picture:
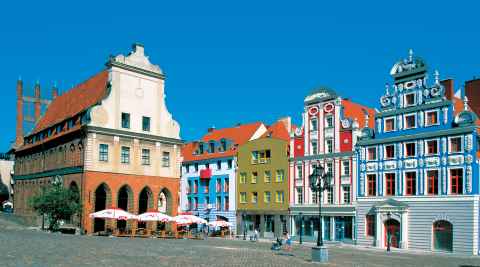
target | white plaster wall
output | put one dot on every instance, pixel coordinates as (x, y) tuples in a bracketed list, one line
[(6, 168)]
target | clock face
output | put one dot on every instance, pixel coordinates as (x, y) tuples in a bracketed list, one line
[(385, 101), (345, 123)]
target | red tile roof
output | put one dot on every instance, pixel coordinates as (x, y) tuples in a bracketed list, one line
[(237, 135), (278, 130), (74, 101), (353, 110)]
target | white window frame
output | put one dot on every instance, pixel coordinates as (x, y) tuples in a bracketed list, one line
[(426, 147), (426, 124), (326, 119), (368, 154), (394, 124), (405, 99), (439, 179), (461, 143), (348, 167), (404, 182), (311, 124), (449, 187), (326, 145), (366, 183), (405, 120), (385, 151), (405, 149)]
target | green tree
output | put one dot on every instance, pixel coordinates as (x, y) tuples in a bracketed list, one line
[(57, 203)]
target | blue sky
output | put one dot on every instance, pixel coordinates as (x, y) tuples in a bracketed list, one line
[(228, 62)]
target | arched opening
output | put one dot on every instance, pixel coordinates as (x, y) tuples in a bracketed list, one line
[(102, 199), (74, 220), (145, 202), (443, 236), (165, 200), (392, 232), (124, 202)]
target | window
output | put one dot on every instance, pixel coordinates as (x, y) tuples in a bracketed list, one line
[(329, 168), (166, 159), (218, 186), (223, 145), (389, 151), (456, 181), (411, 180), (299, 195), (372, 184), (146, 124), (328, 146), (261, 156), (314, 197), (226, 204), (218, 203), (125, 120), (279, 197), (280, 177), (313, 124), (243, 178), (432, 118), (410, 99), (145, 156), (346, 167), (410, 150), (254, 178), (389, 124), (455, 144), (370, 225), (432, 180), (314, 147), (410, 121), (346, 194), (125, 155), (329, 121), (219, 165), (189, 187), (372, 153), (195, 187), (390, 184), (432, 147), (229, 163), (330, 195), (299, 172), (195, 202), (196, 167), (266, 197), (103, 152), (254, 197), (211, 147), (267, 177), (187, 168), (243, 197), (226, 185)]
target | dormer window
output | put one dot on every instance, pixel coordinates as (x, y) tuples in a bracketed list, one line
[(410, 100), (200, 148), (410, 121), (223, 144), (389, 124), (211, 147), (431, 118)]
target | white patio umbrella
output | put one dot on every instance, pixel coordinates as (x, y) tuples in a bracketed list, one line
[(154, 216), (117, 214), (220, 224), (188, 219)]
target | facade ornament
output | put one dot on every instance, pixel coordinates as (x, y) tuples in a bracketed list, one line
[(410, 55), (387, 91), (437, 77), (465, 103)]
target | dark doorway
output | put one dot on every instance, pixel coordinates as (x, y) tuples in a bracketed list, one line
[(100, 204), (443, 236), (122, 203), (392, 230), (143, 204)]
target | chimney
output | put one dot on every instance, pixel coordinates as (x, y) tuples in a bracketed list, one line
[(287, 121), (54, 91), (19, 128), (448, 84), (211, 129), (37, 103), (138, 49), (472, 92)]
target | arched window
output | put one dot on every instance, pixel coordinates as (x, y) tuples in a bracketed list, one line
[(442, 236)]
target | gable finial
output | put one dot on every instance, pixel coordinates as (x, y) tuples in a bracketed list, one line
[(387, 89), (410, 55), (437, 77), (465, 103)]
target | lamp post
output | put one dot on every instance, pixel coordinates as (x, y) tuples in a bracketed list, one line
[(319, 182), (389, 215), (301, 226), (244, 226)]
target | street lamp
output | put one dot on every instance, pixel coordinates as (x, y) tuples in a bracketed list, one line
[(244, 226), (301, 226), (389, 215), (319, 182)]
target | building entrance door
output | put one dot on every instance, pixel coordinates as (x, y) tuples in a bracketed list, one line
[(339, 228), (442, 236), (392, 231)]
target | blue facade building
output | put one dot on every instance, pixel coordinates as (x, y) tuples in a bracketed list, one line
[(418, 178)]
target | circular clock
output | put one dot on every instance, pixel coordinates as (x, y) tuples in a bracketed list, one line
[(345, 123), (385, 101)]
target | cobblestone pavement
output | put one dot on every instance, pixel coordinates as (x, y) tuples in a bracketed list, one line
[(24, 247)]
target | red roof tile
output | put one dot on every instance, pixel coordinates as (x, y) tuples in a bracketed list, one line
[(278, 130), (74, 101), (354, 111), (237, 135)]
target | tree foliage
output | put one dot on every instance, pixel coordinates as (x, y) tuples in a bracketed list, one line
[(57, 203)]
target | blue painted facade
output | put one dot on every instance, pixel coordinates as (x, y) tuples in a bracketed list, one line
[(424, 149)]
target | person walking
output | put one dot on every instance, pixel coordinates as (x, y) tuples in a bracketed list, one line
[(256, 235), (288, 241)]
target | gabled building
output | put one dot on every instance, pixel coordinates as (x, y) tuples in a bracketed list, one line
[(209, 171), (262, 182), (112, 139), (418, 179), (331, 126)]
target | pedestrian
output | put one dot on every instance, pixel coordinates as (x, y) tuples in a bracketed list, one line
[(288, 241), (256, 235), (205, 232)]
